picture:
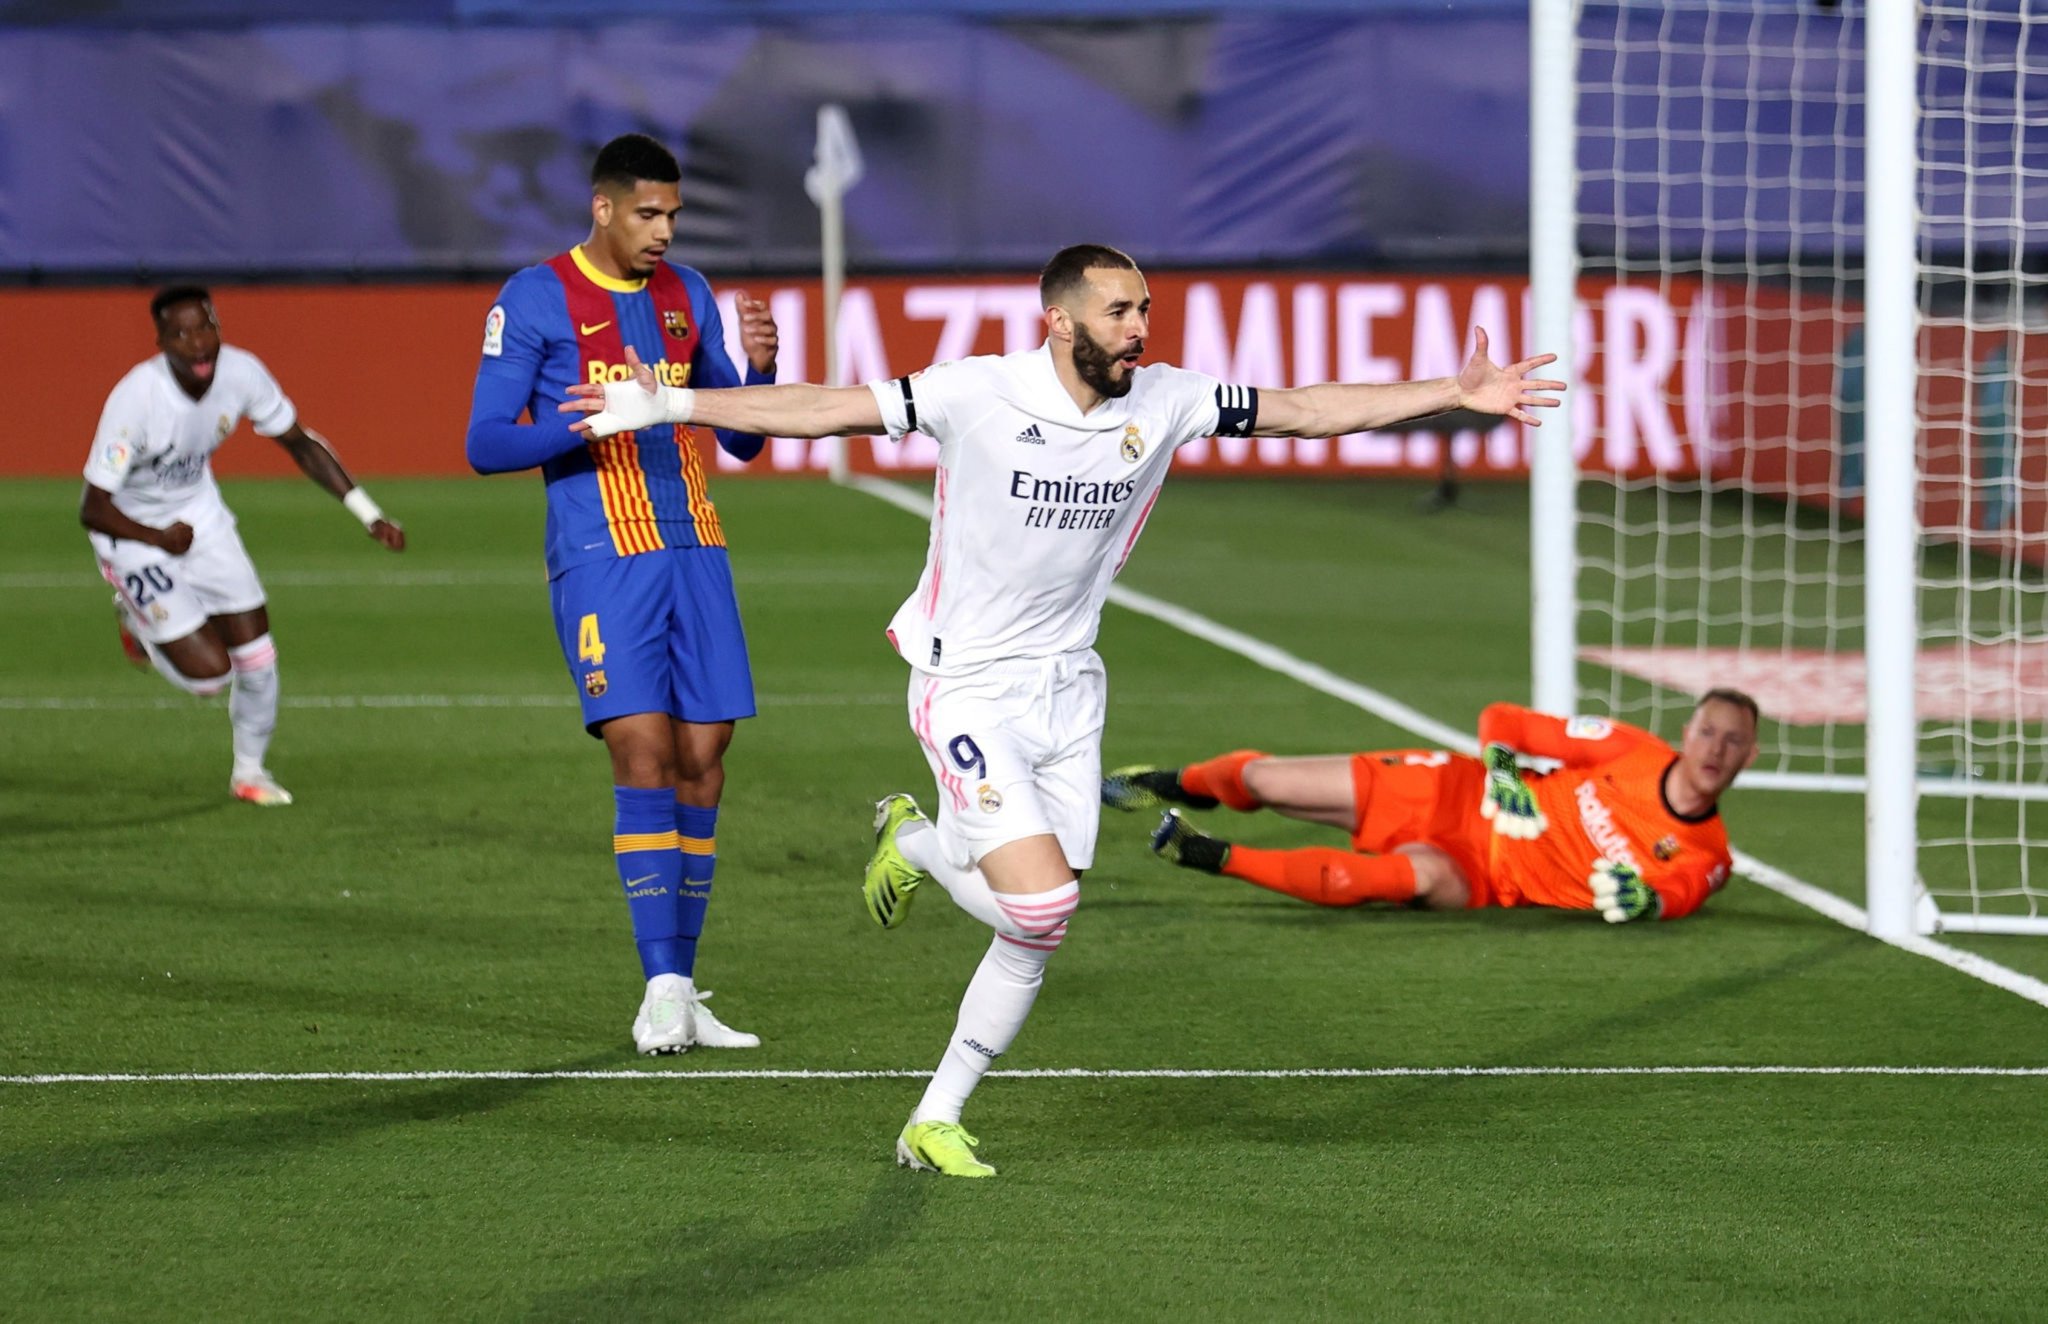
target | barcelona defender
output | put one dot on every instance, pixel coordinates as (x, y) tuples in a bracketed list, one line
[(642, 592), (1626, 825)]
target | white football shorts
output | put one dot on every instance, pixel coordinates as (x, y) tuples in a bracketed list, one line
[(168, 597), (1016, 749)]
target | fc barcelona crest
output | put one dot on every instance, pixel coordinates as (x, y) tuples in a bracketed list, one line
[(673, 322), (594, 685)]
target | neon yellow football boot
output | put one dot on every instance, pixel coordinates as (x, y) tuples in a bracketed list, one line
[(941, 1147), (891, 880)]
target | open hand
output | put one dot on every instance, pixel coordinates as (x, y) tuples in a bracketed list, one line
[(1487, 388), (758, 337), (1509, 803), (614, 407)]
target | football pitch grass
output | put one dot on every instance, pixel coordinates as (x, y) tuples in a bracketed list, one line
[(441, 900)]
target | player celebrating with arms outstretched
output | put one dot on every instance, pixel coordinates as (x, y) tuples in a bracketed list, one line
[(641, 588), (1626, 826), (186, 591), (1049, 461)]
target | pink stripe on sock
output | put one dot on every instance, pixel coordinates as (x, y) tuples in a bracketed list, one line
[(255, 661), (1036, 945)]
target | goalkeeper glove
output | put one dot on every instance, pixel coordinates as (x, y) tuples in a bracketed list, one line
[(1620, 894), (1509, 802)]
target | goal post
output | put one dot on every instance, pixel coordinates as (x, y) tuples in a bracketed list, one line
[(1835, 209)]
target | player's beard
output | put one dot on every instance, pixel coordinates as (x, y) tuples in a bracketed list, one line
[(1096, 365)]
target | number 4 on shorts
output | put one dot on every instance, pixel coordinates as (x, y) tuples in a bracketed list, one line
[(589, 646)]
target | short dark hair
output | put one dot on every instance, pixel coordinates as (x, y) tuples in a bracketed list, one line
[(1735, 697), (1069, 269), (170, 296), (632, 157)]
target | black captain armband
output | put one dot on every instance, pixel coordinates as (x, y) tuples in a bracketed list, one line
[(1237, 410), (909, 405)]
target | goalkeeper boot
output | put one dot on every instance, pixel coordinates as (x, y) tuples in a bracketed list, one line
[(258, 787), (942, 1147), (1177, 843), (664, 1022), (891, 880), (1141, 786), (707, 1031)]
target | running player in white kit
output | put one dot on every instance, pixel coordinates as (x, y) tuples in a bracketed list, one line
[(1049, 462), (184, 588)]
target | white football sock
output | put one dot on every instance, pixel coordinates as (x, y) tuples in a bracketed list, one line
[(205, 687), (252, 707), (992, 1011)]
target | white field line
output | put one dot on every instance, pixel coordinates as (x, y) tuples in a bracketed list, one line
[(91, 703), (86, 578), (1400, 714), (1046, 1073)]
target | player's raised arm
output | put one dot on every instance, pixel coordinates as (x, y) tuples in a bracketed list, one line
[(1335, 409), (794, 410)]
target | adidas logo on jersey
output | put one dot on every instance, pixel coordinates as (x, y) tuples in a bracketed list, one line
[(1031, 436)]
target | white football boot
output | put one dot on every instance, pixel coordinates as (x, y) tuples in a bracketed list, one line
[(663, 1025), (707, 1031), (258, 788)]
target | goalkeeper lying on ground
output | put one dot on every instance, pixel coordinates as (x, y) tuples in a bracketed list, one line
[(1626, 825)]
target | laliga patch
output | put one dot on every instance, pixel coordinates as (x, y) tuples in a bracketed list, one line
[(116, 455), (1133, 445), (494, 331), (990, 798), (594, 684), (1589, 728)]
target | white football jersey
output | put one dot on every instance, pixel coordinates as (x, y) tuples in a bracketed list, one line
[(153, 443), (1036, 506)]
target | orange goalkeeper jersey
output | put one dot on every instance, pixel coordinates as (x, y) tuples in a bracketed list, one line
[(1605, 802)]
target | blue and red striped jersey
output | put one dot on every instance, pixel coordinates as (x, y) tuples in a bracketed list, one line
[(563, 322)]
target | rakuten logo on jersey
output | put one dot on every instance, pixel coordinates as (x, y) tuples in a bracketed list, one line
[(1068, 503), (1599, 824)]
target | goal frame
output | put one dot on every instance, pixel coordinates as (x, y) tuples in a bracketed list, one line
[(1895, 903)]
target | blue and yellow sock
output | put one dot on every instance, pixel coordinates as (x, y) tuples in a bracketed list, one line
[(644, 842), (698, 829)]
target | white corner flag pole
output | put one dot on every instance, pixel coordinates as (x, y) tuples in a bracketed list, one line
[(837, 168)]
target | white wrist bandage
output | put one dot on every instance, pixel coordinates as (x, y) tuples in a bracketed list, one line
[(679, 403), (359, 505)]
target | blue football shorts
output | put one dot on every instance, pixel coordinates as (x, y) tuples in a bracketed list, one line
[(655, 633)]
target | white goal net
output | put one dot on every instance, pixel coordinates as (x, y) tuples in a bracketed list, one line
[(1729, 158)]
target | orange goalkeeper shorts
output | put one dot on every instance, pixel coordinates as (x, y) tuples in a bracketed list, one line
[(1410, 796)]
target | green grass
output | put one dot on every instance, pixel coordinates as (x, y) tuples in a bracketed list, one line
[(441, 899)]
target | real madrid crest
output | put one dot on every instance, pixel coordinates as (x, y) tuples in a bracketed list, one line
[(673, 322), (1133, 444), (222, 428), (594, 684), (989, 797)]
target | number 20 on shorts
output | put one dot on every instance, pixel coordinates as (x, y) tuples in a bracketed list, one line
[(589, 644)]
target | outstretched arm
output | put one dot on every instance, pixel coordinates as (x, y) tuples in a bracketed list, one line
[(310, 451), (1335, 409), (1577, 742), (794, 410)]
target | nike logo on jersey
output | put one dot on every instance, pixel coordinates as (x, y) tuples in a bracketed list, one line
[(1031, 436), (592, 330)]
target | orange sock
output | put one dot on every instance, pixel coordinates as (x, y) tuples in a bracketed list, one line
[(1222, 778), (1324, 876)]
